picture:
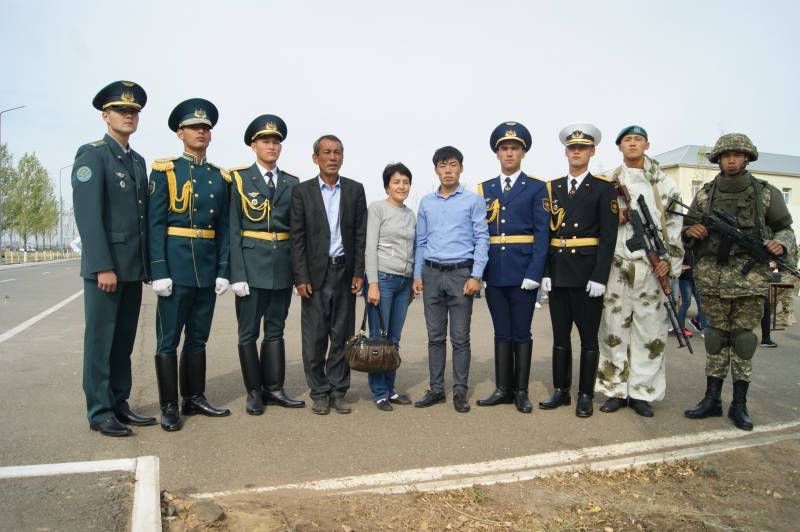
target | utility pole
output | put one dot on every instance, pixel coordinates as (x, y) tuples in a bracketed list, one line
[(61, 210)]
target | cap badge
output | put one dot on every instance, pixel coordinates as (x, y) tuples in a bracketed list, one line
[(199, 113), (577, 135), (271, 126), (128, 84), (127, 97), (511, 133)]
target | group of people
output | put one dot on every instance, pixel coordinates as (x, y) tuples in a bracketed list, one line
[(195, 230)]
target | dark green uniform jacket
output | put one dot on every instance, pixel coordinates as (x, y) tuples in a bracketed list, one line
[(109, 194), (261, 263), (198, 201)]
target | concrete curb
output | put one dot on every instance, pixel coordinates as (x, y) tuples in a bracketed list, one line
[(31, 264), (146, 513)]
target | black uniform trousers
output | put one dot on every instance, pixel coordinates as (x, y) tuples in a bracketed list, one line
[(511, 309), (272, 305), (188, 308), (573, 305), (111, 320), (329, 314)]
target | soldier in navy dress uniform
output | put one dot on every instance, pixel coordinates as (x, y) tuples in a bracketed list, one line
[(261, 263), (518, 241), (109, 191), (189, 250), (583, 221)]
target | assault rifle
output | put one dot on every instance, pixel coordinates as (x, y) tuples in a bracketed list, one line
[(646, 237), (724, 224)]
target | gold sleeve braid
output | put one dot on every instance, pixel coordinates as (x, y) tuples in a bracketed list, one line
[(264, 208)]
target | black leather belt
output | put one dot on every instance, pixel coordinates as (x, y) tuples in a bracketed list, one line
[(336, 260), (450, 266)]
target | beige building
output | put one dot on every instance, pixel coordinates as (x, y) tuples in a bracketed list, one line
[(690, 168)]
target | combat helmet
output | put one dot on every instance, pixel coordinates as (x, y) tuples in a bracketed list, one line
[(738, 142)]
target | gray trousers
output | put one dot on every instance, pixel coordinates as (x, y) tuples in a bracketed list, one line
[(329, 314), (443, 297)]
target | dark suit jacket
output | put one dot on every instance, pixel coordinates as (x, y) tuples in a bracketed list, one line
[(311, 234), (109, 194), (592, 212), (261, 263)]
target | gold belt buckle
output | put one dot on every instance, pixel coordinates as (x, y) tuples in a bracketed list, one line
[(274, 237), (502, 239), (199, 233), (562, 243)]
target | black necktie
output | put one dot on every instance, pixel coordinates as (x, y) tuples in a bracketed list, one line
[(270, 186), (508, 185), (573, 189)]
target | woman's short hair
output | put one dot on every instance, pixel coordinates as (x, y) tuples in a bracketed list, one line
[(395, 168)]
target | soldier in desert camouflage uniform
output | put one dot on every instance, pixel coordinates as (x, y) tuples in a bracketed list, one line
[(733, 302), (633, 331)]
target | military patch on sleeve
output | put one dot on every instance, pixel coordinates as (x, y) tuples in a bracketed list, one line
[(614, 206), (546, 204), (83, 174), (151, 187)]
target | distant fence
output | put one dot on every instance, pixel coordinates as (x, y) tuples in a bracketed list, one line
[(21, 257)]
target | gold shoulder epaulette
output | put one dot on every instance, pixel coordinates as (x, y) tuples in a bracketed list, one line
[(162, 165), (238, 168), (605, 178), (223, 172), (97, 143), (479, 190), (535, 178)]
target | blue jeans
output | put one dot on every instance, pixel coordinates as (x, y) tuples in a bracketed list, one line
[(395, 296), (688, 290)]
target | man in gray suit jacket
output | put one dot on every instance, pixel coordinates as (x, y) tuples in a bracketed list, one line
[(328, 233)]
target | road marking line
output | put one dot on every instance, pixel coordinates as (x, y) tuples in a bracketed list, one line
[(46, 273), (69, 468), (7, 280), (24, 325), (517, 465)]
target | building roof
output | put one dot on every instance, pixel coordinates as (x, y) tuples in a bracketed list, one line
[(694, 155)]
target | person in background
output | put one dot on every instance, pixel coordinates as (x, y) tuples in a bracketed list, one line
[(688, 290), (389, 263)]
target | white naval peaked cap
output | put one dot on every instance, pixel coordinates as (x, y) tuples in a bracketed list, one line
[(580, 133)]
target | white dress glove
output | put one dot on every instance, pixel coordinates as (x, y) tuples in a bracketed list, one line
[(595, 289), (241, 289), (547, 284), (529, 284), (162, 287), (221, 286)]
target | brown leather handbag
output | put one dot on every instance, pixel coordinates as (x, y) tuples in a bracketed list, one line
[(372, 355)]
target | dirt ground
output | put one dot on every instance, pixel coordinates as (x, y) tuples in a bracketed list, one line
[(752, 489)]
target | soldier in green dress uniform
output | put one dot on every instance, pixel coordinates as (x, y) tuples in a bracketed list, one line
[(261, 263), (109, 193), (189, 250)]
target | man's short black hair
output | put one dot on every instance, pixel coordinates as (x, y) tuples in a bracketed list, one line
[(395, 168), (446, 153), (330, 137)]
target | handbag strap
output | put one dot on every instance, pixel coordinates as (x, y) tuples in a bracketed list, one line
[(383, 331)]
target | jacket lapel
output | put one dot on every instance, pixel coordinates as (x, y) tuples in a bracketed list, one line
[(257, 180), (316, 195), (518, 188), (280, 186)]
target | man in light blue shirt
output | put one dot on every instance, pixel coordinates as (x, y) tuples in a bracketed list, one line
[(330, 198), (452, 248)]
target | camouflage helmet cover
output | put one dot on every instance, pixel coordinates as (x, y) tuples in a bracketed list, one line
[(738, 142)]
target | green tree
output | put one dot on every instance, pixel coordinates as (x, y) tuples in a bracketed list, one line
[(32, 203), (7, 179)]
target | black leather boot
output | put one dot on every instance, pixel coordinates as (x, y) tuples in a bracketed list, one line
[(738, 410), (522, 373), (251, 373), (562, 379), (589, 360), (196, 402), (273, 366), (503, 375), (711, 404), (167, 377)]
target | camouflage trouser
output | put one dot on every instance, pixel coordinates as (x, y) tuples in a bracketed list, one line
[(786, 300), (731, 314), (633, 334)]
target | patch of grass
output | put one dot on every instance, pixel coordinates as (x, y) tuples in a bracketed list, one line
[(480, 495)]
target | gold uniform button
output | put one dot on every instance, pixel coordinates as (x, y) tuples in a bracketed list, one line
[(502, 248), (573, 251), (573, 236), (191, 166), (194, 210), (194, 227), (563, 224), (210, 183), (211, 211), (502, 221), (194, 180), (211, 195), (210, 227), (197, 195), (575, 224), (504, 207), (561, 251)]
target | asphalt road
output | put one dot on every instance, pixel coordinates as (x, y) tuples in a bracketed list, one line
[(43, 420)]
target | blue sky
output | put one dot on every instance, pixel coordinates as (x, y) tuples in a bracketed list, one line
[(397, 80)]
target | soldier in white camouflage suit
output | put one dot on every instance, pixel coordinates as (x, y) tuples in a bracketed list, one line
[(734, 303), (633, 332)]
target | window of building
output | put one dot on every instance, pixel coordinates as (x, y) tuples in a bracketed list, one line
[(696, 186), (787, 194)]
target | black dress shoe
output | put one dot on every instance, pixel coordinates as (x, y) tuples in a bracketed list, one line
[(198, 404), (111, 427), (400, 399), (321, 406), (559, 398), (340, 405), (498, 397), (384, 405), (429, 399), (129, 417), (583, 406), (253, 404), (641, 407), (613, 404), (280, 398), (460, 402)]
